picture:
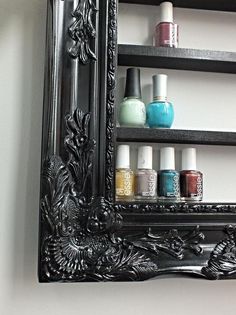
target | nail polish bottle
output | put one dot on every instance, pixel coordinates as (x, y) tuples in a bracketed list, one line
[(160, 113), (145, 187), (124, 175), (191, 180), (132, 110), (168, 177), (167, 32)]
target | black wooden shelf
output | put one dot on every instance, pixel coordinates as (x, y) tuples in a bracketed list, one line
[(219, 5), (177, 58), (176, 136)]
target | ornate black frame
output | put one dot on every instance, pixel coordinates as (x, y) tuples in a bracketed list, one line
[(84, 234)]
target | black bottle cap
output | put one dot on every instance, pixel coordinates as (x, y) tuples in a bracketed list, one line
[(133, 86)]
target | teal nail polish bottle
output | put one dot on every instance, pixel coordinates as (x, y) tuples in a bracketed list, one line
[(168, 177), (132, 110), (160, 113)]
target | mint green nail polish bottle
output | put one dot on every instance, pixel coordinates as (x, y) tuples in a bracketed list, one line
[(132, 111)]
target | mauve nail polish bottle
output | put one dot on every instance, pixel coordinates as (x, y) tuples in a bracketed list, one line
[(168, 177), (191, 180), (145, 185), (167, 32)]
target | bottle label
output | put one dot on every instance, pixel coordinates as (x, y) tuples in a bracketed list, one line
[(124, 183), (191, 185), (166, 35), (146, 184), (199, 186), (168, 184)]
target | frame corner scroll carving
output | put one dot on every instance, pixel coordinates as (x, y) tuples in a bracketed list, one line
[(79, 235)]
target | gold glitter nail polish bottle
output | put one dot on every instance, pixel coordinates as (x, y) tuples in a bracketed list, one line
[(124, 175)]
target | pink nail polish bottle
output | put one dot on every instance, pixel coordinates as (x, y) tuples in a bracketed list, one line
[(166, 33)]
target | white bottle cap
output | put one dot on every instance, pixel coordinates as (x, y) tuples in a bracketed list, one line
[(166, 12), (167, 159), (189, 159), (123, 157), (145, 157), (160, 87)]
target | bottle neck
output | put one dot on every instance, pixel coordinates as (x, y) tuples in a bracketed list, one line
[(123, 168), (168, 170), (160, 99), (188, 170), (165, 22), (132, 97)]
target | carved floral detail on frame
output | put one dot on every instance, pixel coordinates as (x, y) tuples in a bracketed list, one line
[(222, 262), (110, 110), (180, 207), (82, 32)]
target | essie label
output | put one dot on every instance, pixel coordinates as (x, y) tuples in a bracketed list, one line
[(124, 184), (146, 185), (173, 187), (199, 186), (169, 184), (191, 184), (166, 35)]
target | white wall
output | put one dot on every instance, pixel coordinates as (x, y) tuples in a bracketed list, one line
[(22, 35)]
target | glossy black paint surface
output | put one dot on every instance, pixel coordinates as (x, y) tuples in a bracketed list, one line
[(84, 234)]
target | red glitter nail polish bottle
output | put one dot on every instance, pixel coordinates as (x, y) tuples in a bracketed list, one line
[(166, 33), (191, 180)]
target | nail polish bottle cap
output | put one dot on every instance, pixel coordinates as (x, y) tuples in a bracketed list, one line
[(145, 157), (123, 157), (189, 159), (167, 159), (166, 12), (133, 85), (160, 87)]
